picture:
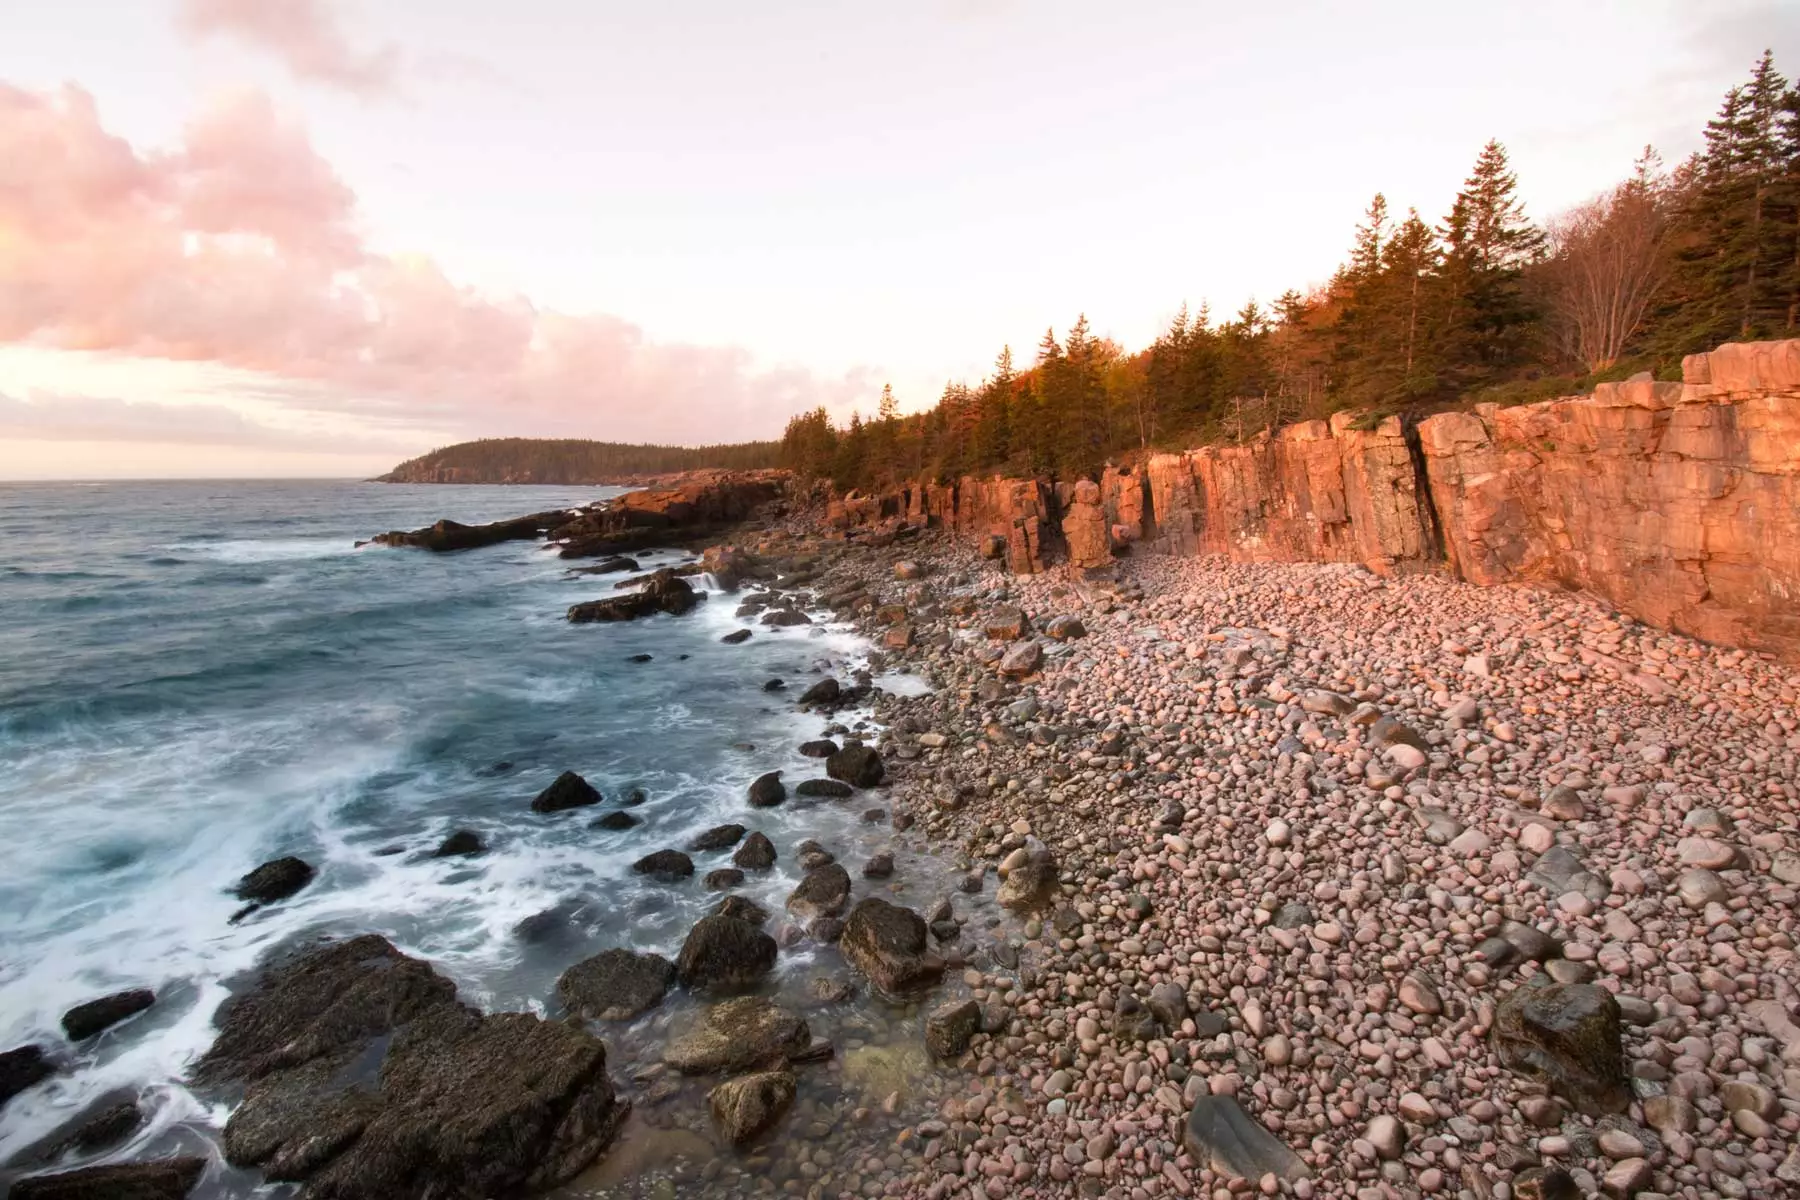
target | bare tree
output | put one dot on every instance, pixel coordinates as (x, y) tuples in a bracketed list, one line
[(1606, 266)]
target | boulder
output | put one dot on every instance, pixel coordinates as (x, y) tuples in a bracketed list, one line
[(819, 748), (737, 1034), (949, 1027), (569, 790), (785, 618), (756, 854), (744, 909), (1007, 624), (737, 637), (164, 1179), (825, 692), (858, 766), (879, 866), (1066, 628), (1568, 1036), (830, 789), (664, 591), (275, 880), (1022, 660), (746, 1106), (823, 892), (1221, 1135), (1029, 884), (617, 821), (463, 1104), (616, 985), (719, 837), (767, 791), (86, 1020), (723, 879), (906, 568), (723, 954), (665, 866), (888, 944), (464, 843), (23, 1067)]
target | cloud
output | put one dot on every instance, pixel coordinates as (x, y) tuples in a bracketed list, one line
[(56, 417), (303, 34), (241, 248)]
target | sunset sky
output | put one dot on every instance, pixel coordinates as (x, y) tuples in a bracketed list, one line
[(314, 237)]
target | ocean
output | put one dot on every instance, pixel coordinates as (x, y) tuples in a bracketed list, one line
[(198, 677)]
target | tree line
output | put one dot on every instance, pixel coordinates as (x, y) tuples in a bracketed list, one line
[(1482, 304), (572, 461)]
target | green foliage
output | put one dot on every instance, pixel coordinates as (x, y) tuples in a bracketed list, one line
[(575, 460)]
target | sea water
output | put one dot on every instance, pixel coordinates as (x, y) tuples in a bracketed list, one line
[(198, 677)]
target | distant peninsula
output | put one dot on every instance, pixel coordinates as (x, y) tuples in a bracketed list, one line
[(572, 461)]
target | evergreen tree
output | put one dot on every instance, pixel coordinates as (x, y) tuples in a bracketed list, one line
[(1488, 243)]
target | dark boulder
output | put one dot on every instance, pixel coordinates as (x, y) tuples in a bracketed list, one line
[(773, 685), (618, 821), (888, 944), (86, 1020), (445, 536), (756, 854), (744, 909), (610, 566), (462, 1104), (823, 892), (664, 866), (461, 844), (569, 790), (822, 748), (723, 879), (664, 591), (21, 1068), (165, 1179), (825, 692), (616, 985), (719, 837), (736, 637), (732, 1036), (858, 766), (767, 791), (879, 866), (783, 618), (827, 788), (275, 880), (1568, 1036), (101, 1127), (724, 954), (949, 1027), (751, 1104)]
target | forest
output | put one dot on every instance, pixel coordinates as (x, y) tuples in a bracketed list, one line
[(1485, 304), (571, 461)]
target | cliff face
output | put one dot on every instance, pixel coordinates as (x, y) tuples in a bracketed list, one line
[(1678, 502)]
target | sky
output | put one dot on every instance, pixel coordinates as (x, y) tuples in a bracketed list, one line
[(246, 238)]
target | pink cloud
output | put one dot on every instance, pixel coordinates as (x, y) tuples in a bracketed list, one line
[(303, 34), (241, 248)]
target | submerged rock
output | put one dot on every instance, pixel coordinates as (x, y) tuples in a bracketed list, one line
[(823, 892), (617, 821), (724, 953), (719, 837), (616, 985), (86, 1020), (888, 944), (1221, 1135), (1567, 1035), (275, 880), (735, 1035), (665, 866), (165, 1179), (767, 790), (744, 909), (746, 1106), (568, 791), (21, 1068), (461, 844)]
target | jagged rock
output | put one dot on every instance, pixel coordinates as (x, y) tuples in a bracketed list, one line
[(568, 791), (665, 866), (609, 566), (723, 954), (859, 766), (751, 1104), (23, 1067), (756, 854), (1568, 1035), (737, 1034), (164, 1179), (823, 892), (719, 837), (1007, 625), (616, 985), (275, 880), (446, 536), (888, 944), (1221, 1135), (665, 591), (86, 1020), (767, 790), (949, 1027)]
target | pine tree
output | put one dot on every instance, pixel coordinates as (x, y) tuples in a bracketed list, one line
[(889, 408), (1488, 243)]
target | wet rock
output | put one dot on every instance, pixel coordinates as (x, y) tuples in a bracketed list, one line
[(1220, 1134), (1030, 884), (756, 854), (275, 880), (568, 791), (617, 821), (767, 791), (749, 1105), (736, 637), (820, 748), (165, 1179), (736, 1035), (823, 892), (949, 1027), (1567, 1035), (461, 844), (21, 1068), (616, 985), (827, 789), (826, 692), (664, 591), (100, 1126), (744, 909), (87, 1020), (723, 879), (880, 866), (665, 866), (719, 837), (785, 618), (888, 944), (859, 766), (724, 954)]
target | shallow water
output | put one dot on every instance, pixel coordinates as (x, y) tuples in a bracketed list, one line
[(195, 678)]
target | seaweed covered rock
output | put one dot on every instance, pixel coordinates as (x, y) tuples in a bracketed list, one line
[(724, 953), (888, 944), (616, 985), (735, 1035)]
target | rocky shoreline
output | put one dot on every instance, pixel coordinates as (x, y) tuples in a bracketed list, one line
[(1277, 878)]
